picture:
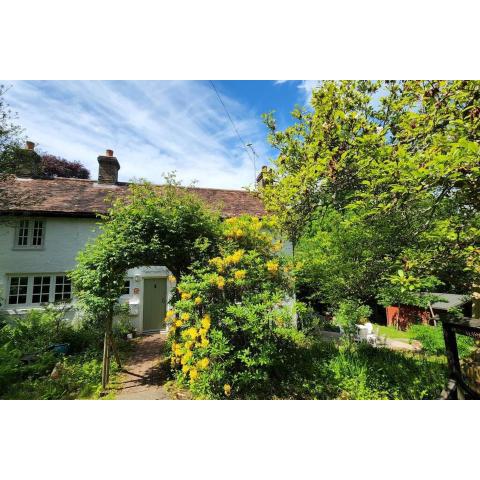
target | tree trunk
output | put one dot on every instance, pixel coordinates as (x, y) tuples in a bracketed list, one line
[(106, 350)]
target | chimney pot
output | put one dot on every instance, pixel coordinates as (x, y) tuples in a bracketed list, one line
[(30, 145), (109, 153)]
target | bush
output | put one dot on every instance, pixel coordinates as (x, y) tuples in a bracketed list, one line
[(26, 361), (433, 343), (349, 314), (230, 326)]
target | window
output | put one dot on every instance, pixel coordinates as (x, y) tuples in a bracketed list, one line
[(38, 289), (63, 288), (30, 234), (126, 288), (18, 290), (41, 289)]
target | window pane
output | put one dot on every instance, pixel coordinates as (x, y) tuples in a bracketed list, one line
[(62, 288), (126, 288), (18, 290), (37, 233), (41, 289), (22, 239)]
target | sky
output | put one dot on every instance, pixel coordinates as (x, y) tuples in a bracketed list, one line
[(156, 127)]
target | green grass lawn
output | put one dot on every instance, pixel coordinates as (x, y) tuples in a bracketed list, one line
[(391, 332)]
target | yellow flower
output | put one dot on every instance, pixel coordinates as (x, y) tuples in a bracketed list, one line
[(186, 357), (240, 274), (178, 323), (204, 343), (198, 300), (229, 221), (277, 246), (272, 266), (206, 322), (190, 333), (186, 317), (185, 368), (203, 363), (217, 262), (220, 282), (227, 389), (188, 345), (234, 258), (172, 279), (193, 373), (186, 296), (170, 313), (238, 233)]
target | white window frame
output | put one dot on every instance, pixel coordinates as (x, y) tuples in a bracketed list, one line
[(129, 286), (30, 276), (17, 294), (30, 238)]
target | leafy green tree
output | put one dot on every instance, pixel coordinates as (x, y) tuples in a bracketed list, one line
[(150, 226), (10, 133), (399, 163)]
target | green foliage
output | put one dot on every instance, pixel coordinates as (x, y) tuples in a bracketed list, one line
[(433, 343), (351, 313), (403, 288), (26, 360), (397, 163), (231, 328), (10, 134), (151, 226)]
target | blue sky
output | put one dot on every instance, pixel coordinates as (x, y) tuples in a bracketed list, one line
[(156, 127)]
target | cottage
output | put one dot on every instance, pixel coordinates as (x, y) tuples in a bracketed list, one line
[(45, 222)]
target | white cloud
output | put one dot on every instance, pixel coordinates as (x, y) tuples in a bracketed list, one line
[(153, 127), (307, 86)]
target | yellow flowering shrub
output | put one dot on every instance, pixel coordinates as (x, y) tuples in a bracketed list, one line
[(224, 343)]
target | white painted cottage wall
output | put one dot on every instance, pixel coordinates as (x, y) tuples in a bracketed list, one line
[(64, 238)]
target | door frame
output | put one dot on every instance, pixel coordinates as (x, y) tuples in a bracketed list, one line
[(138, 276)]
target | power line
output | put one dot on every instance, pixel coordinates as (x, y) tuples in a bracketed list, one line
[(244, 145)]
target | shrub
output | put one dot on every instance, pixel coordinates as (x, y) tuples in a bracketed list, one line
[(26, 362), (433, 343), (349, 314), (229, 328)]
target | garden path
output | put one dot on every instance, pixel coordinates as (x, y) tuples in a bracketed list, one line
[(145, 375)]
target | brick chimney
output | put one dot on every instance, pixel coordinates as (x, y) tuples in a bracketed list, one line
[(263, 177), (108, 168), (28, 163)]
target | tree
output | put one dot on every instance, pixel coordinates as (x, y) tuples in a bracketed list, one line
[(54, 166), (10, 135), (396, 160), (150, 226)]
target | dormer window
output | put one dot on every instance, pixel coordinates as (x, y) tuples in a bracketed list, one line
[(30, 234)]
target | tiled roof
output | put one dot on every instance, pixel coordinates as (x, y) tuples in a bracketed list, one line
[(86, 198)]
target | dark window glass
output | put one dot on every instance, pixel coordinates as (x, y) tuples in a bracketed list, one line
[(63, 288)]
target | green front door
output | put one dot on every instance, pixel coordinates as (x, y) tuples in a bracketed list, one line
[(154, 303)]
